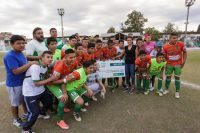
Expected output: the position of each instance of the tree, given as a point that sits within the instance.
(155, 34)
(111, 30)
(134, 23)
(198, 30)
(170, 28)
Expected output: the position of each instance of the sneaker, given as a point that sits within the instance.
(177, 95)
(152, 88)
(146, 93)
(86, 104)
(160, 94)
(83, 109)
(77, 116)
(17, 122)
(126, 88)
(62, 124)
(45, 117)
(94, 98)
(165, 92)
(66, 110)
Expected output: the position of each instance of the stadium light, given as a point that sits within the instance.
(188, 3)
(61, 12)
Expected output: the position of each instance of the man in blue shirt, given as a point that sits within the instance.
(16, 65)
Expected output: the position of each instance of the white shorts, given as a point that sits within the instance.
(95, 87)
(15, 95)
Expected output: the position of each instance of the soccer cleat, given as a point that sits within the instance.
(62, 124)
(94, 98)
(160, 94)
(165, 92)
(177, 95)
(66, 110)
(152, 88)
(83, 109)
(77, 116)
(146, 93)
(45, 117)
(17, 122)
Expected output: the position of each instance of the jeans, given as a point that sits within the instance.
(130, 73)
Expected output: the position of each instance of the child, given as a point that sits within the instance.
(156, 70)
(57, 53)
(99, 50)
(142, 65)
(94, 83)
(139, 46)
(79, 53)
(16, 65)
(77, 91)
(34, 91)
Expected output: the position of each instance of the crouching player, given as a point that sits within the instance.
(77, 91)
(142, 71)
(156, 70)
(34, 91)
(95, 84)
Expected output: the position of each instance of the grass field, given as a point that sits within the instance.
(124, 113)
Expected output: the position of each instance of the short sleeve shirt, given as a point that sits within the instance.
(92, 78)
(143, 63)
(109, 53)
(149, 46)
(156, 67)
(13, 60)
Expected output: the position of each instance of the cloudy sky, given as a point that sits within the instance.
(91, 16)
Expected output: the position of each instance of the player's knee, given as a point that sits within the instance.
(80, 101)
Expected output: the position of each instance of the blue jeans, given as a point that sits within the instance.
(130, 73)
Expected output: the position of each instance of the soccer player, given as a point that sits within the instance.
(99, 50)
(77, 91)
(34, 91)
(89, 54)
(16, 65)
(61, 69)
(57, 53)
(85, 44)
(109, 54)
(72, 42)
(139, 46)
(176, 55)
(36, 47)
(156, 70)
(79, 53)
(142, 64)
(94, 83)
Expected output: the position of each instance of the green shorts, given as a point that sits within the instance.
(176, 69)
(55, 90)
(74, 94)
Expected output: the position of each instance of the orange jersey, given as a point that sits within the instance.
(143, 63)
(99, 54)
(61, 68)
(109, 53)
(87, 57)
(174, 53)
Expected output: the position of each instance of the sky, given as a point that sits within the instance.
(91, 17)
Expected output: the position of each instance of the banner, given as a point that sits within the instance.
(111, 68)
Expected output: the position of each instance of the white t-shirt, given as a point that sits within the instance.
(35, 46)
(34, 73)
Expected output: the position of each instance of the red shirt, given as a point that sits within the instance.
(87, 57)
(109, 53)
(143, 63)
(61, 68)
(174, 53)
(99, 54)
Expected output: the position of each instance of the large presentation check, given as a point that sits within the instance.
(111, 68)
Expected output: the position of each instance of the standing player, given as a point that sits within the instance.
(72, 42)
(16, 65)
(89, 54)
(175, 54)
(99, 50)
